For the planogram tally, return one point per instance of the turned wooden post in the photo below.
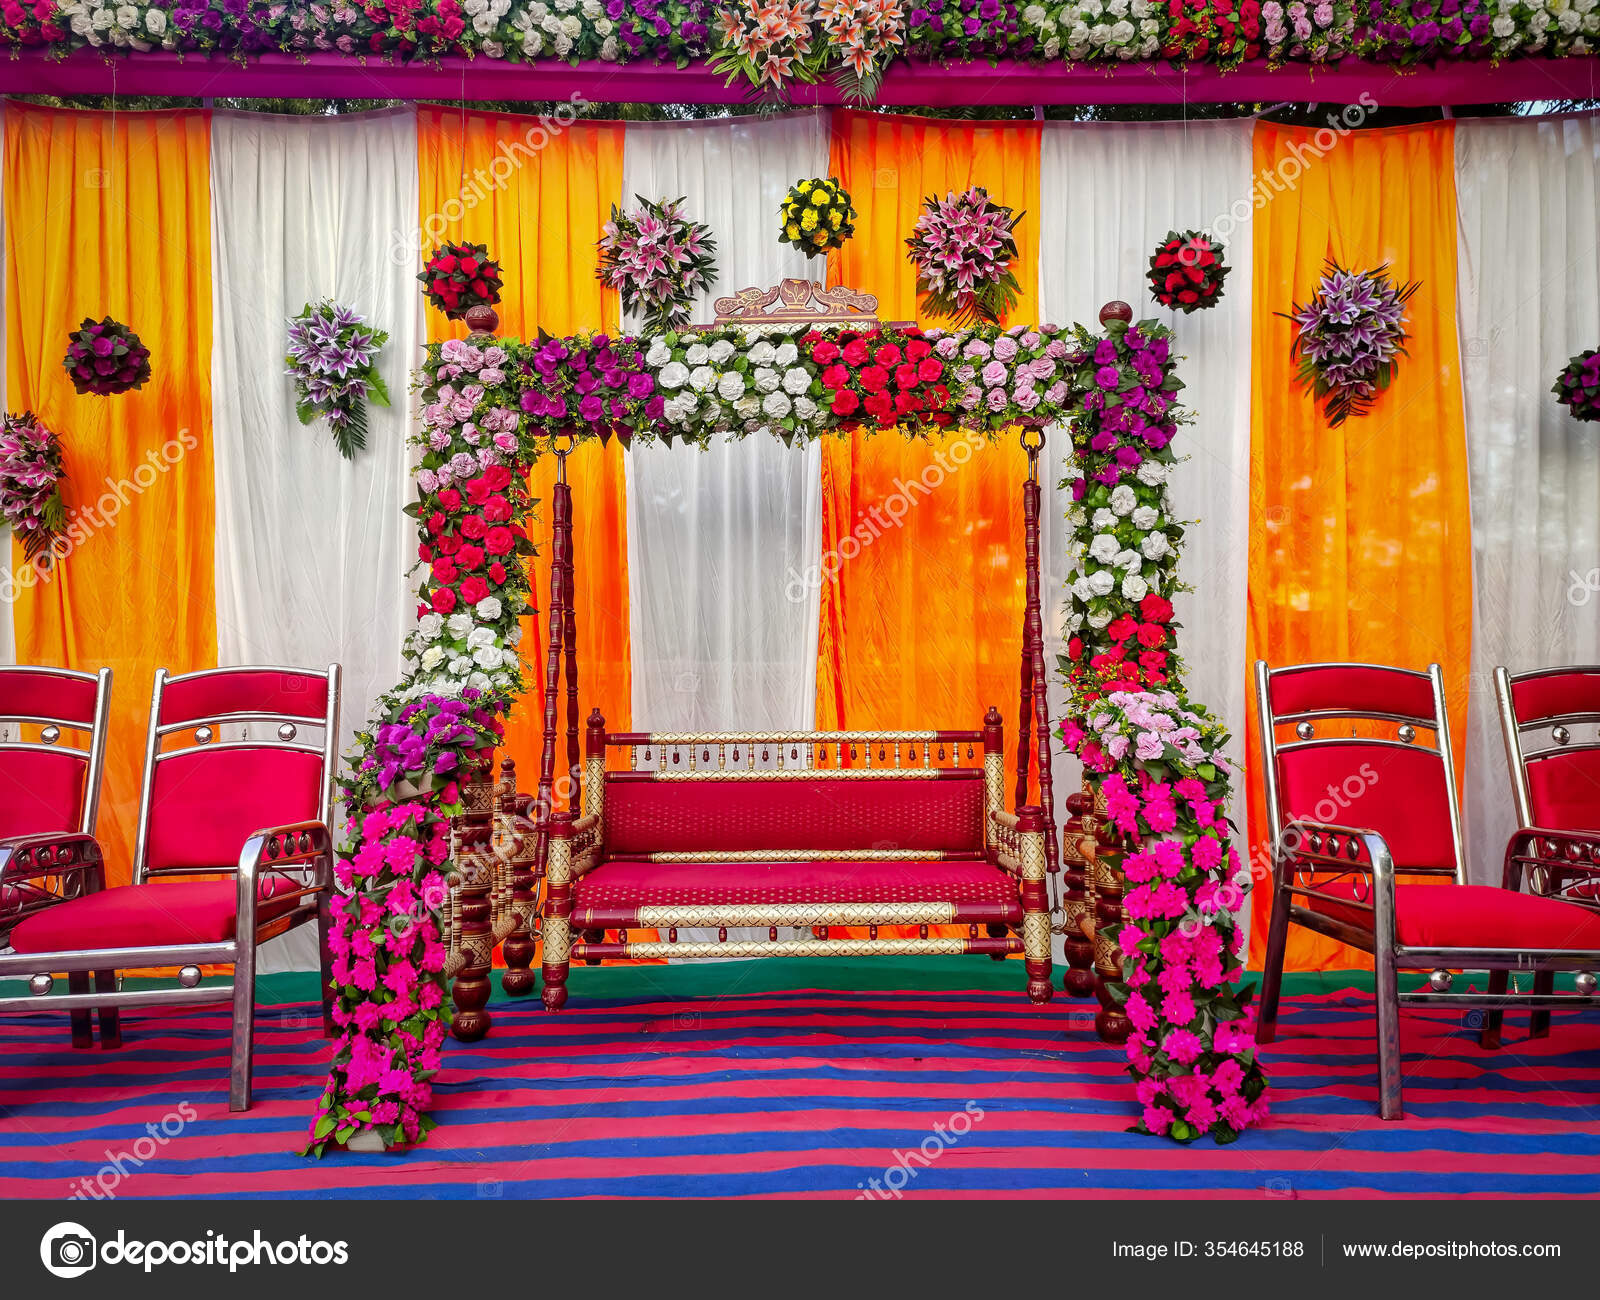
(1078, 926)
(1108, 888)
(516, 842)
(474, 868)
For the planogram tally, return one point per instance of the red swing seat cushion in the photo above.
(629, 884)
(160, 915)
(1471, 916)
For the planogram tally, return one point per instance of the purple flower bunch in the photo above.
(1129, 402)
(1350, 337)
(332, 360)
(589, 380)
(657, 259)
(663, 30)
(30, 482)
(963, 249)
(1578, 386)
(426, 745)
(105, 357)
(967, 29)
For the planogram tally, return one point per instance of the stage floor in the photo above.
(802, 1079)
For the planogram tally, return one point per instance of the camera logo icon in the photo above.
(68, 1250)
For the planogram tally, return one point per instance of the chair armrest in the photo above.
(275, 851)
(1544, 857)
(1329, 848)
(39, 871)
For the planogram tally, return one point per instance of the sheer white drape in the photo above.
(723, 627)
(312, 549)
(1109, 195)
(1529, 298)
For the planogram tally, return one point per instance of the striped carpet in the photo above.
(803, 1079)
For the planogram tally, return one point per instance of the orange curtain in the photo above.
(537, 194)
(1360, 542)
(111, 215)
(922, 624)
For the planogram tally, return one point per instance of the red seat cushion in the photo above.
(148, 916)
(1473, 916)
(689, 884)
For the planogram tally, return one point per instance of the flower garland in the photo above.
(1192, 1050)
(459, 277)
(331, 359)
(1159, 758)
(588, 382)
(31, 474)
(657, 259)
(105, 357)
(773, 45)
(1187, 271)
(1349, 338)
(1578, 386)
(963, 250)
(386, 942)
(731, 381)
(817, 215)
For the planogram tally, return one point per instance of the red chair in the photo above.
(230, 790)
(49, 781)
(1348, 812)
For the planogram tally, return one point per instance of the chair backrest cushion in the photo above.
(68, 696)
(1353, 690)
(1565, 790)
(1396, 790)
(1552, 695)
(40, 792)
(820, 813)
(205, 803)
(264, 690)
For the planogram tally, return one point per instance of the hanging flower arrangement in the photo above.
(1187, 271)
(1350, 337)
(331, 359)
(963, 249)
(30, 482)
(1578, 386)
(657, 259)
(105, 357)
(817, 215)
(459, 277)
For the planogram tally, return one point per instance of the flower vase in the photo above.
(482, 320)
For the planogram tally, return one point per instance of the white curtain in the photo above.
(1108, 195)
(312, 549)
(724, 631)
(1529, 299)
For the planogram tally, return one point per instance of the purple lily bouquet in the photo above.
(657, 259)
(1350, 337)
(31, 474)
(332, 360)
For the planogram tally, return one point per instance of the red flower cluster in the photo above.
(1187, 271)
(886, 376)
(459, 277)
(1226, 32)
(1137, 657)
(470, 542)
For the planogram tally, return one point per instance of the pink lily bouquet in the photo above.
(964, 250)
(30, 482)
(657, 259)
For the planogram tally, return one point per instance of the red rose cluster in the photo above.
(1138, 656)
(1225, 32)
(1187, 271)
(459, 277)
(888, 377)
(471, 542)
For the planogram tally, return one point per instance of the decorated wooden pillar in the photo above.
(472, 857)
(514, 846)
(1078, 918)
(1107, 888)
